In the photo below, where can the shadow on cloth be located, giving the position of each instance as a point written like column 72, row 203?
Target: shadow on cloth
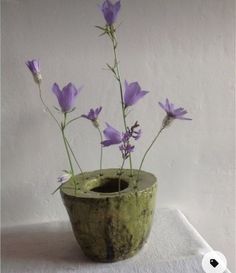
column 42, row 243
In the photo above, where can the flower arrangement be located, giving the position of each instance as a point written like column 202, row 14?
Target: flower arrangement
column 130, row 94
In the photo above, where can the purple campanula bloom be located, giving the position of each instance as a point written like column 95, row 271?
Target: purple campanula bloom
column 93, row 114
column 173, row 113
column 110, row 11
column 66, row 97
column 34, row 68
column 112, row 136
column 133, row 93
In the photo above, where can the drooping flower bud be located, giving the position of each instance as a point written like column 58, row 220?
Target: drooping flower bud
column 34, row 68
column 93, row 116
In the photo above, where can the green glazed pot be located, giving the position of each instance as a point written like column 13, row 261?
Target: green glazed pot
column 111, row 226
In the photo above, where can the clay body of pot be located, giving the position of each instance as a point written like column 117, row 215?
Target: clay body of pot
column 109, row 224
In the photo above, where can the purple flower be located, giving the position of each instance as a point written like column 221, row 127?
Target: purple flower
column 64, row 177
column 66, row 97
column 126, row 149
column 173, row 113
column 133, row 132
column 112, row 136
column 93, row 114
column 115, row 137
column 34, row 68
column 110, row 11
column 133, row 93
column 137, row 134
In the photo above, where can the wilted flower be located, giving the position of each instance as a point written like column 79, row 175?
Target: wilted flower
column 126, row 149
column 112, row 135
column 64, row 177
column 66, row 97
column 93, row 114
column 133, row 132
column 110, row 11
column 34, row 68
column 173, row 113
column 133, row 93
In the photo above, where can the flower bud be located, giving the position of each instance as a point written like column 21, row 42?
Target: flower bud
column 167, row 121
column 95, row 123
column 37, row 78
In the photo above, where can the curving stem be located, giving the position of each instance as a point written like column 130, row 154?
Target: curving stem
column 148, row 149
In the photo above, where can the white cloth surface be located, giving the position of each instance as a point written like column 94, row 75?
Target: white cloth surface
column 173, row 246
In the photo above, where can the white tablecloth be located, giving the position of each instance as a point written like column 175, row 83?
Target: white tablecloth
column 174, row 246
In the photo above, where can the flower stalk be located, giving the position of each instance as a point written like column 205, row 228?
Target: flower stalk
column 101, row 149
column 63, row 126
column 115, row 69
column 65, row 141
column 120, row 173
column 148, row 149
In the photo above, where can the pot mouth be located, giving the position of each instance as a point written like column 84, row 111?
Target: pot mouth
column 108, row 185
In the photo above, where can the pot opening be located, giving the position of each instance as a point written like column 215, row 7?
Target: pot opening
column 109, row 185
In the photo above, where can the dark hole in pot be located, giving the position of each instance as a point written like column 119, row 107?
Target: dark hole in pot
column 111, row 185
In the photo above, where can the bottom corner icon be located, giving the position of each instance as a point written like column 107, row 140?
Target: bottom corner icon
column 214, row 262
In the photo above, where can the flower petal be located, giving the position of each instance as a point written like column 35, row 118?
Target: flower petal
column 56, row 90
column 112, row 133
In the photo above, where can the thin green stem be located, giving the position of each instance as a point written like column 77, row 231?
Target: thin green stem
column 76, row 161
column 56, row 189
column 46, row 107
column 101, row 152
column 66, row 143
column 120, row 173
column 117, row 74
column 70, row 121
column 67, row 151
column 148, row 149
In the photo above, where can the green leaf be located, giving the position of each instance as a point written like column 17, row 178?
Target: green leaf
column 102, row 28
column 65, row 171
column 57, row 109
column 102, row 34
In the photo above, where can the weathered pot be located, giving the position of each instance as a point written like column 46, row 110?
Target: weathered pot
column 108, row 225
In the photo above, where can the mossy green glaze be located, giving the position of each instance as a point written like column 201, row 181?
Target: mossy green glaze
column 110, row 226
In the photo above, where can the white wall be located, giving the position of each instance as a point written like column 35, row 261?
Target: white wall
column 180, row 49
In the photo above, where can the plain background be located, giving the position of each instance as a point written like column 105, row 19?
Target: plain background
column 180, row 49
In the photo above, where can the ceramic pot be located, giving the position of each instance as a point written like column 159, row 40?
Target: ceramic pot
column 110, row 225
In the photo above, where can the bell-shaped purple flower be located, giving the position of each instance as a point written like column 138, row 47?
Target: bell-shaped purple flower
column 110, row 11
column 172, row 112
column 133, row 93
column 112, row 135
column 34, row 68
column 93, row 114
column 67, row 96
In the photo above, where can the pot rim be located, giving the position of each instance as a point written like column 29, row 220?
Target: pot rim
column 146, row 180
